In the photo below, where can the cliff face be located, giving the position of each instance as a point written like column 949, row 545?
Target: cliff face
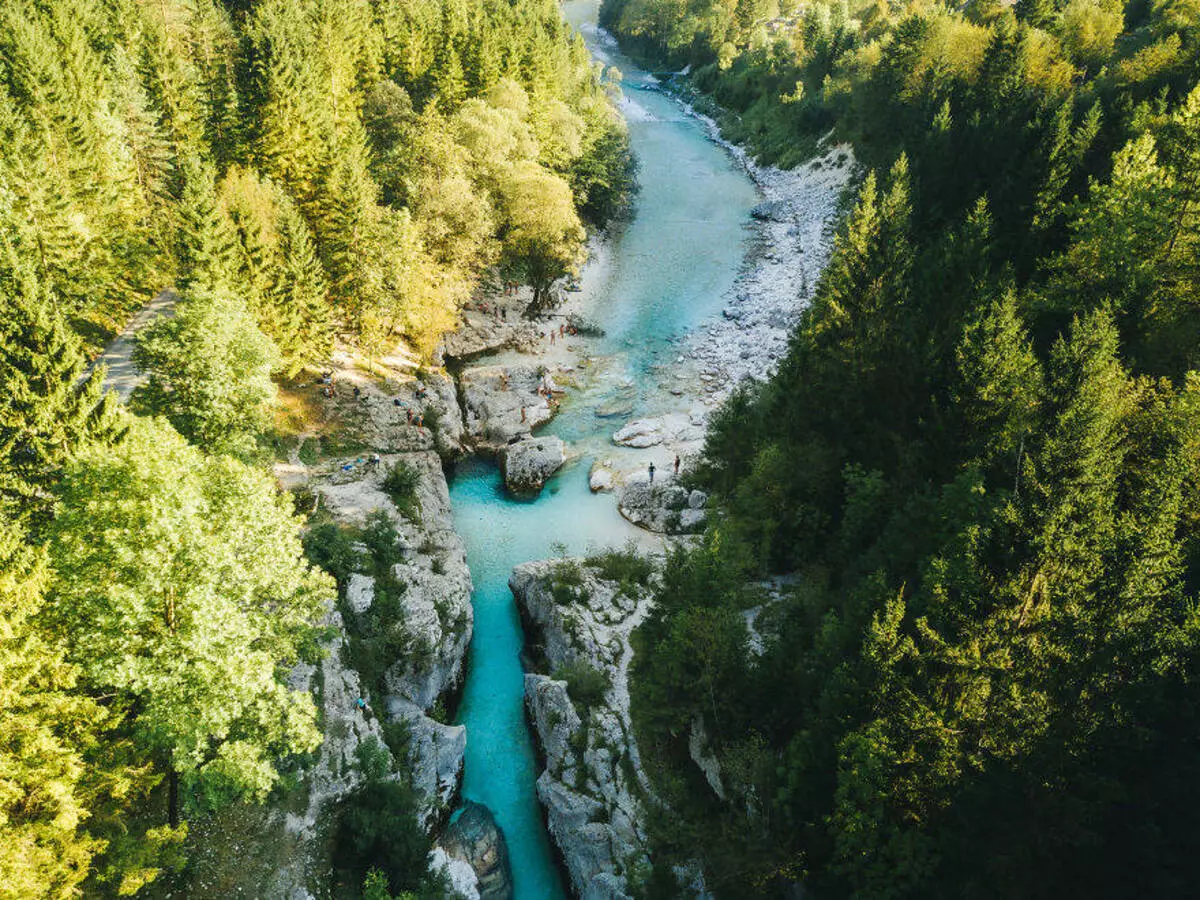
column 592, row 787
column 428, row 617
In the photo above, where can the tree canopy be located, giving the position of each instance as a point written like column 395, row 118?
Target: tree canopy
column 975, row 466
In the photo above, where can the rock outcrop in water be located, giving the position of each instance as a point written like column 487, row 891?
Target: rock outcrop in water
column 503, row 403
column 475, row 839
column 593, row 777
column 664, row 506
column 529, row 462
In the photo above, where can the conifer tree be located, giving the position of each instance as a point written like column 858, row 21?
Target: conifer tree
column 206, row 245
column 300, row 319
column 51, row 406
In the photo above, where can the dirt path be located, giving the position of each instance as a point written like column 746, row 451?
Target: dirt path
column 121, row 375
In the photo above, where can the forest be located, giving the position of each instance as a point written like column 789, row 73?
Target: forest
column 974, row 477
column 298, row 171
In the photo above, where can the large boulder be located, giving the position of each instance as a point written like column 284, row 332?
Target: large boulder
column 662, row 506
column 640, row 434
column 474, row 838
column 504, row 402
column 773, row 211
column 529, row 462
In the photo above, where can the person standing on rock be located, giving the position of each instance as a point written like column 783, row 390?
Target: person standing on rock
column 676, row 465
column 652, row 473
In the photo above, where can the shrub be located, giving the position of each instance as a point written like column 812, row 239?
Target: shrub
column 400, row 484
column 566, row 582
column 432, row 417
column 378, row 830
column 381, row 537
column 397, row 734
column 373, row 758
column 626, row 567
column 586, row 686
column 308, row 452
column 330, row 547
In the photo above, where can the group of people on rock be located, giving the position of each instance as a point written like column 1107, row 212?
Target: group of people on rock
column 497, row 312
column 564, row 330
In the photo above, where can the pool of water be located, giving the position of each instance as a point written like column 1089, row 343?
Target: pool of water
column 668, row 270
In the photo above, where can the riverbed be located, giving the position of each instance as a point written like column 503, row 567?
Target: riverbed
column 668, row 270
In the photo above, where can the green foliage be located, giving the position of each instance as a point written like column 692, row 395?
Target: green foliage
column 49, row 407
column 400, row 484
column 293, row 170
column 586, row 685
column 976, row 459
column 209, row 372
column 331, row 547
column 627, row 568
column 304, row 154
column 378, row 830
column 380, row 537
column 567, row 582
column 46, row 786
column 189, row 608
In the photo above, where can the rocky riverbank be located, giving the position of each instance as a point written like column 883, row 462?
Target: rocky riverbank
column 395, row 420
column 592, row 786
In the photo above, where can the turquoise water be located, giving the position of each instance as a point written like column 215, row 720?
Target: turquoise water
column 667, row 272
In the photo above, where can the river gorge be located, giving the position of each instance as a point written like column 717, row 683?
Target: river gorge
column 666, row 274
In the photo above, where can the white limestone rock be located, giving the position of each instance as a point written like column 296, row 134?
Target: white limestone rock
column 593, row 778
column 435, row 758
column 529, row 462
column 662, row 505
column 640, row 434
column 494, row 398
column 601, row 477
column 360, row 592
column 464, row 884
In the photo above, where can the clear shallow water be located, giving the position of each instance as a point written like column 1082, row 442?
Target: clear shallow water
column 667, row 272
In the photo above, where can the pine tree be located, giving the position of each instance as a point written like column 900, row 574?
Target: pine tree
column 1037, row 13
column 300, row 320
column 50, row 407
column 450, row 83
column 206, row 246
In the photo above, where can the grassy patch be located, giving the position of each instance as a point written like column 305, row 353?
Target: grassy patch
column 310, row 451
column 566, row 583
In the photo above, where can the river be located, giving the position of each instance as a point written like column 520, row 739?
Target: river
column 667, row 271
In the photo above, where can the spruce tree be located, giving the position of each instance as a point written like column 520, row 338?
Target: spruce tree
column 206, row 245
column 51, row 406
column 298, row 299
